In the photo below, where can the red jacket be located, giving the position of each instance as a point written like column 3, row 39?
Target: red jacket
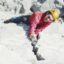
column 37, row 23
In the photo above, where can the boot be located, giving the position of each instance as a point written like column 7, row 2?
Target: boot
column 39, row 57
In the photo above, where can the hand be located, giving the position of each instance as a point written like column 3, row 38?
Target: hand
column 33, row 37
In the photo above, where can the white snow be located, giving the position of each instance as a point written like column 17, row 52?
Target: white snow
column 15, row 48
column 51, row 45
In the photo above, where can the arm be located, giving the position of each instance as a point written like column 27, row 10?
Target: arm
column 32, row 27
column 34, row 20
column 42, row 27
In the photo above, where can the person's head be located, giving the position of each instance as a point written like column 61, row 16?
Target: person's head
column 52, row 15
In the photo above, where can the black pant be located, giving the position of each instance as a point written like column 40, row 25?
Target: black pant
column 18, row 20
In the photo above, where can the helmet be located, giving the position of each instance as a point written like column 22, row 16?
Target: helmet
column 55, row 13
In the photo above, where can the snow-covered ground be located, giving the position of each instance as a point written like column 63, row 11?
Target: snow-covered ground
column 15, row 48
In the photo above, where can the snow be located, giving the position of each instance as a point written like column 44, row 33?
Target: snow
column 61, row 2
column 15, row 48
column 51, row 45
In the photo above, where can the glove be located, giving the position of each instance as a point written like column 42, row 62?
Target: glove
column 33, row 37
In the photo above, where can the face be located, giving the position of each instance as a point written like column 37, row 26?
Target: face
column 48, row 18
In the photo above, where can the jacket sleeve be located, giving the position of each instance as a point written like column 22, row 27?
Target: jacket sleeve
column 32, row 28
column 42, row 27
column 34, row 20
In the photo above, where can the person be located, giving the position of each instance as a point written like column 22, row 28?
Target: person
column 39, row 21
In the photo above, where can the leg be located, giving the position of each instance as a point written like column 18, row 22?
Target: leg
column 17, row 20
column 35, row 50
column 25, row 19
